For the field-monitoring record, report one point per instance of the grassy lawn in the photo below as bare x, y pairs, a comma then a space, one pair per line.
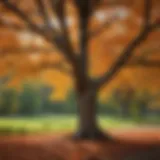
54, 123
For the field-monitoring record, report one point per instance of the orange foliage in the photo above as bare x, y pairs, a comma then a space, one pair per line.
103, 50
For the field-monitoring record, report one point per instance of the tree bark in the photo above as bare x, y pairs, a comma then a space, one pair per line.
87, 119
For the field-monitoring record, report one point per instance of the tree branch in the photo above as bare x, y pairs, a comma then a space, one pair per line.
22, 16
59, 8
8, 25
144, 63
143, 60
28, 50
55, 38
43, 11
147, 12
57, 65
145, 53
155, 26
128, 52
102, 28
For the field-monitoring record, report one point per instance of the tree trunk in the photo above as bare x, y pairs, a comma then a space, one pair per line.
87, 104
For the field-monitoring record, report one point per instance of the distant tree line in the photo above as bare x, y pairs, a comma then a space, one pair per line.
127, 102
34, 100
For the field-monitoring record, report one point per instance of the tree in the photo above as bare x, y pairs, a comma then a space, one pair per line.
86, 86
145, 101
71, 102
30, 100
8, 102
8, 97
45, 92
124, 96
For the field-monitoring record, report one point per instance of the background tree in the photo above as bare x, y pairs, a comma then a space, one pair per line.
8, 97
30, 100
144, 102
124, 96
86, 86
8, 102
46, 103
71, 103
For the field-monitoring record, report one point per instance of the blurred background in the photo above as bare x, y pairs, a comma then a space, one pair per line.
35, 97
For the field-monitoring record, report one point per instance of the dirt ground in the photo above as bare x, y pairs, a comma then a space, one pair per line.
135, 144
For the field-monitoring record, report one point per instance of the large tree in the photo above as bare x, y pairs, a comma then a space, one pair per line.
59, 36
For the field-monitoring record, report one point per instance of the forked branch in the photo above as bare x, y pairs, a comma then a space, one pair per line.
129, 50
58, 7
102, 28
52, 37
43, 12
22, 16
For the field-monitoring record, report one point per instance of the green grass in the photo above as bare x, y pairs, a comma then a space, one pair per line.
54, 123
